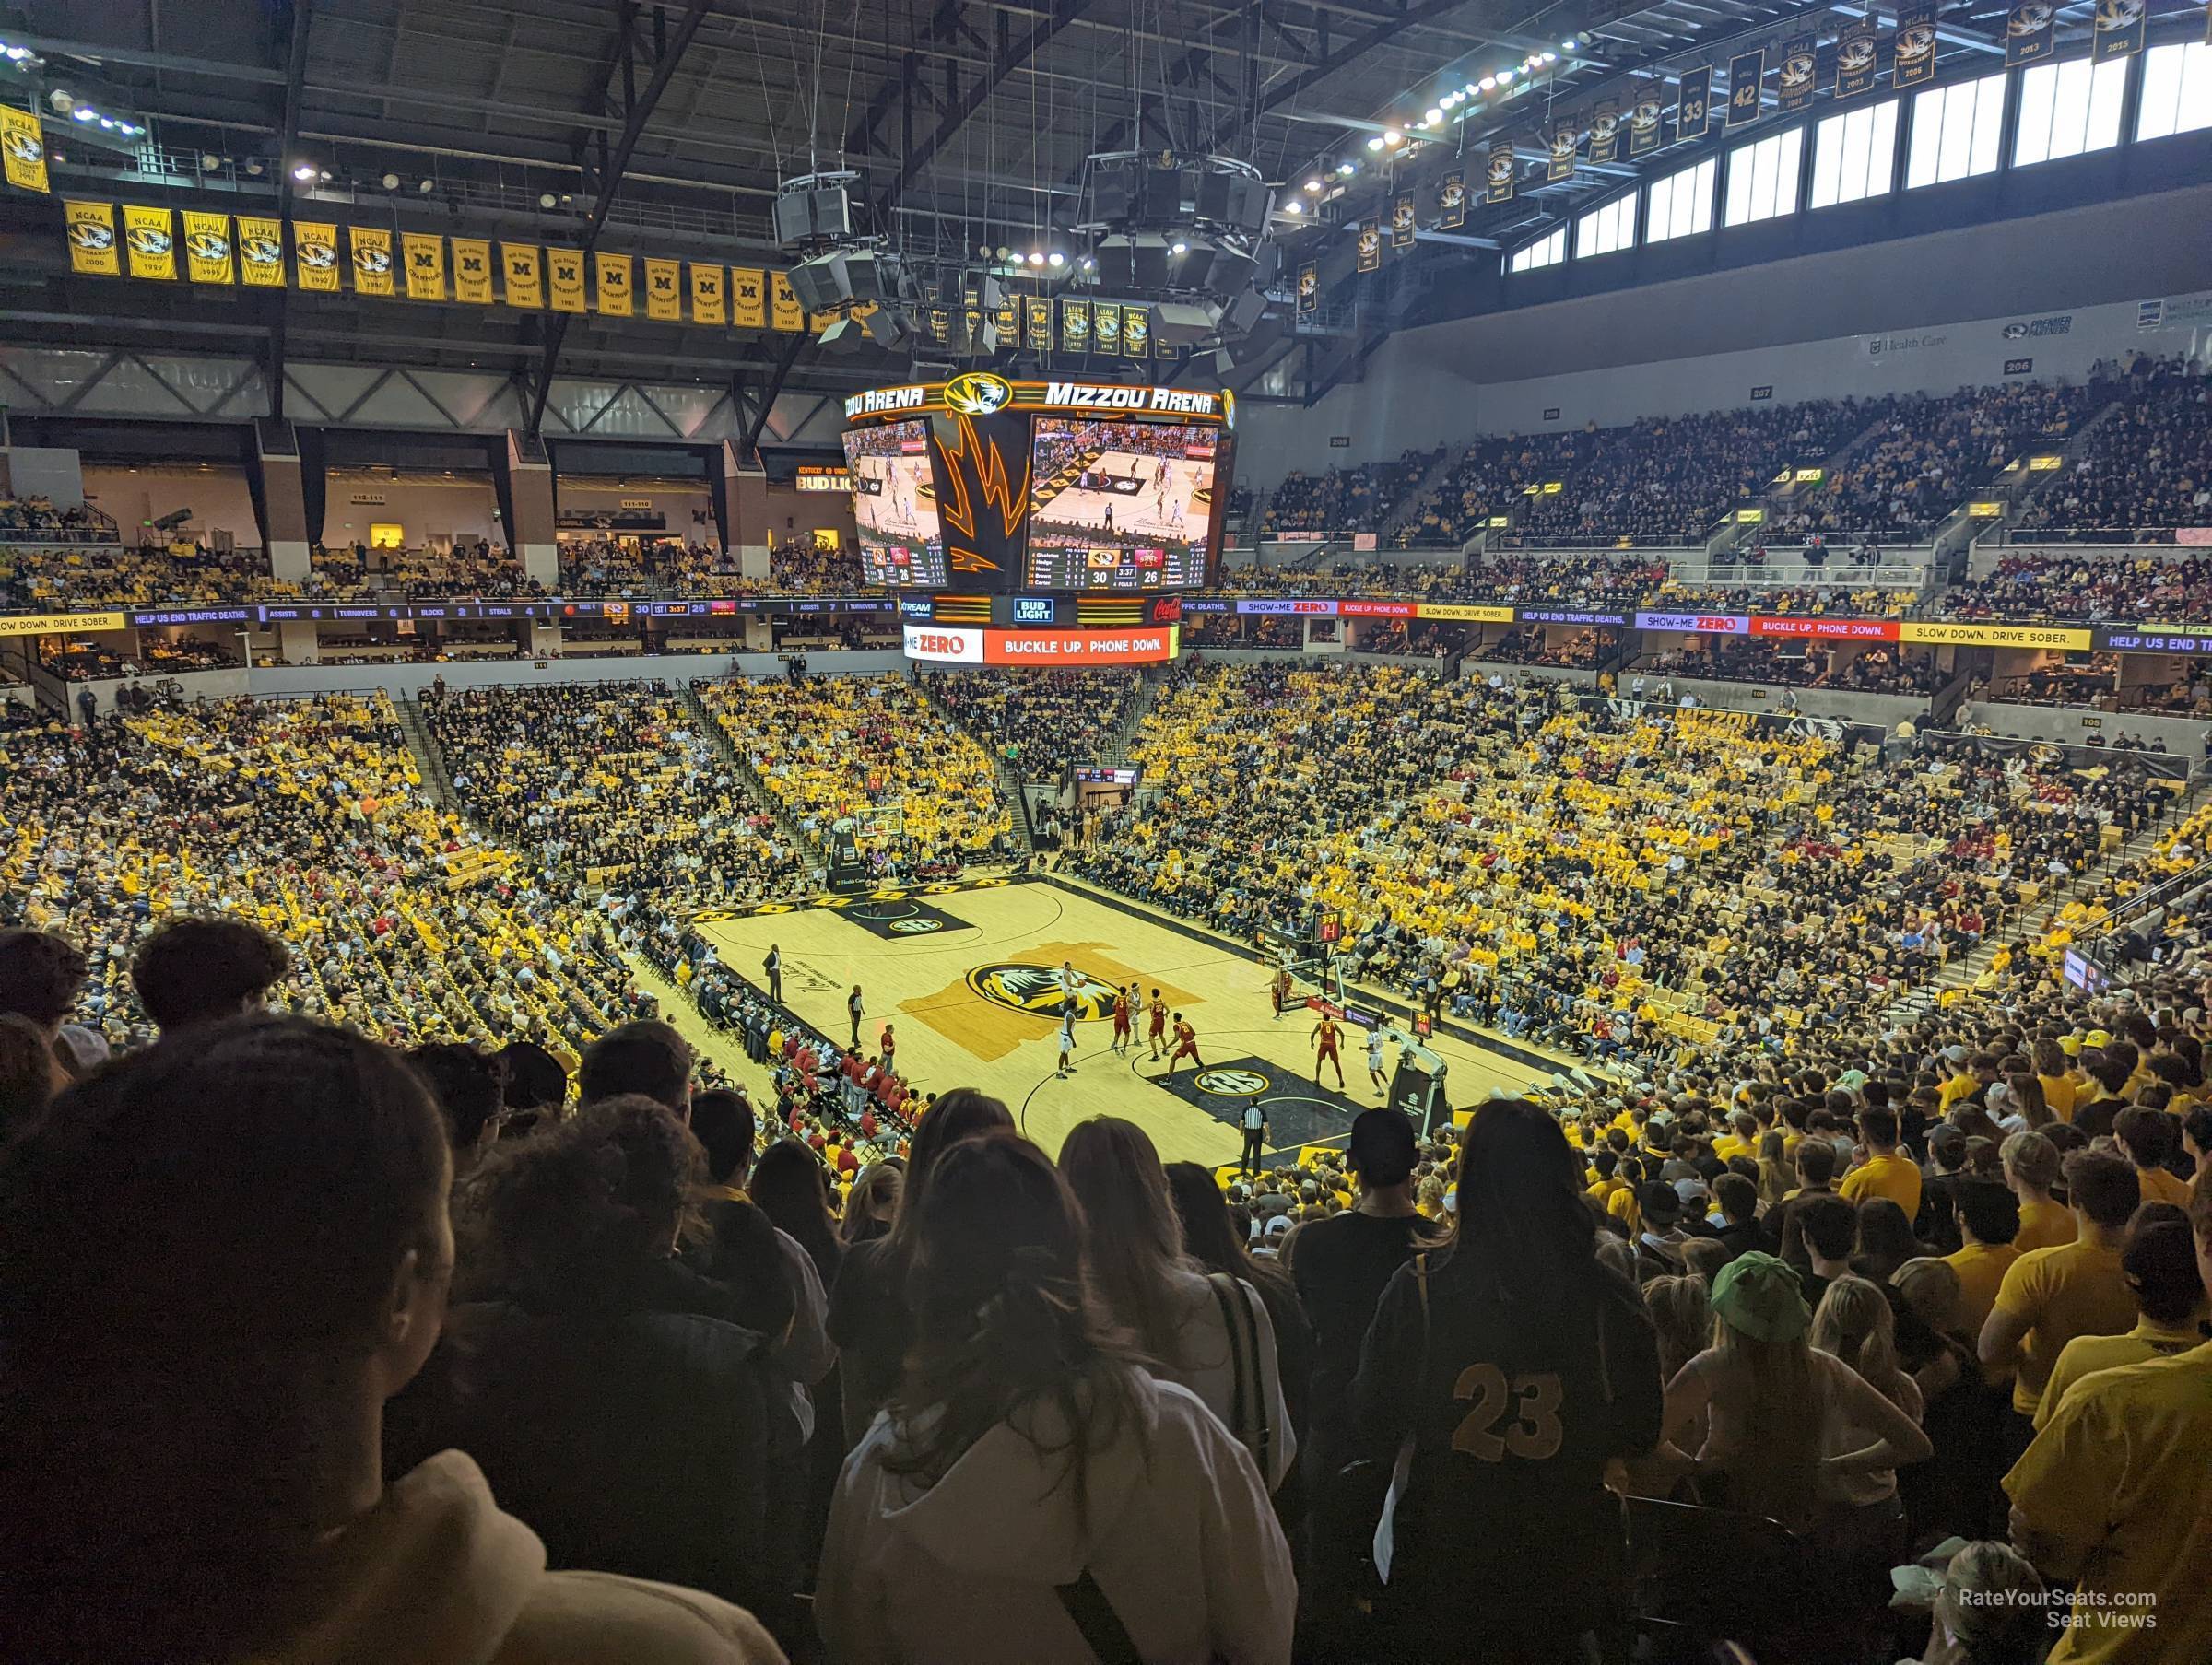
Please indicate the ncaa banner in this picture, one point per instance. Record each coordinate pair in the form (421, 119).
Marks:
(1645, 127)
(1007, 317)
(2029, 28)
(150, 235)
(1566, 138)
(749, 298)
(616, 275)
(1039, 313)
(1106, 326)
(208, 248)
(371, 260)
(1693, 105)
(564, 279)
(1074, 326)
(1746, 75)
(783, 309)
(1401, 228)
(261, 252)
(1498, 177)
(971, 319)
(1912, 53)
(472, 271)
(1370, 244)
(23, 145)
(315, 256)
(665, 290)
(525, 281)
(1308, 288)
(1605, 130)
(1136, 333)
(1452, 202)
(1858, 59)
(710, 298)
(424, 252)
(2119, 26)
(93, 250)
(938, 322)
(1794, 87)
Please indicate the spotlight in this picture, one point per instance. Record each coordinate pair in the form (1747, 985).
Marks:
(85, 112)
(1036, 258)
(1292, 206)
(1390, 136)
(1056, 259)
(983, 251)
(1179, 246)
(1004, 253)
(1090, 265)
(1488, 82)
(254, 167)
(1375, 143)
(390, 181)
(1433, 116)
(545, 199)
(1551, 57)
(1567, 45)
(211, 162)
(1312, 185)
(427, 186)
(303, 172)
(1345, 169)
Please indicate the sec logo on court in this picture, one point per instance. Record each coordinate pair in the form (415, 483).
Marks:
(916, 926)
(1035, 989)
(1233, 1083)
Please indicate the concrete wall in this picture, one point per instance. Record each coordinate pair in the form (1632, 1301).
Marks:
(403, 681)
(218, 497)
(2184, 737)
(464, 508)
(793, 513)
(587, 495)
(1886, 709)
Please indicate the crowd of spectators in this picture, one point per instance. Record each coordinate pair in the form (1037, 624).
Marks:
(2146, 469)
(2092, 588)
(1342, 500)
(36, 519)
(1875, 670)
(1488, 481)
(1037, 722)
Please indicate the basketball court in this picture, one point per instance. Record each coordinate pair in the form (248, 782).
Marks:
(973, 1001)
(1166, 506)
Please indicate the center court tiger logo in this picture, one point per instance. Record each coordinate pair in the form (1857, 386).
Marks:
(977, 394)
(1233, 1083)
(1035, 989)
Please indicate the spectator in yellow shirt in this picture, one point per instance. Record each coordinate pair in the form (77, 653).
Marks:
(1989, 1219)
(2148, 1138)
(2031, 1164)
(2059, 1081)
(2159, 1262)
(1886, 1172)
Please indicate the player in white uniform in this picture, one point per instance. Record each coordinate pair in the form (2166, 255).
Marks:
(1067, 1042)
(1374, 1061)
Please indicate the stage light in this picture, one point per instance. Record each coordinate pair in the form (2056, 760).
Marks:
(1375, 143)
(1488, 82)
(1036, 257)
(1345, 169)
(303, 172)
(427, 186)
(1004, 253)
(1056, 259)
(1568, 44)
(1312, 184)
(1434, 116)
(1551, 57)
(1178, 247)
(1090, 265)
(85, 112)
(1292, 206)
(1390, 136)
(545, 199)
(390, 181)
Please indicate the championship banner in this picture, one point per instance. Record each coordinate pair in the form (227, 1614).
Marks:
(24, 146)
(525, 280)
(1693, 106)
(1645, 127)
(937, 321)
(2118, 26)
(150, 236)
(1912, 53)
(1566, 138)
(665, 290)
(472, 271)
(1106, 326)
(2029, 28)
(91, 239)
(261, 252)
(1794, 87)
(208, 248)
(1308, 288)
(617, 275)
(1605, 130)
(1008, 318)
(1858, 59)
(1370, 244)
(710, 295)
(783, 309)
(1452, 202)
(424, 252)
(1136, 333)
(315, 256)
(1040, 312)
(971, 316)
(1746, 75)
(1498, 176)
(1074, 326)
(371, 260)
(564, 279)
(749, 298)
(1402, 226)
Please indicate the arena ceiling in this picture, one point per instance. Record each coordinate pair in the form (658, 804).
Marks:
(667, 126)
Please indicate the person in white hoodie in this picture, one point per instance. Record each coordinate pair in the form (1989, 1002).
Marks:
(223, 1256)
(1031, 1494)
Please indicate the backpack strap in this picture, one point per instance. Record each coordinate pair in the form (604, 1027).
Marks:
(1093, 1615)
(1248, 1415)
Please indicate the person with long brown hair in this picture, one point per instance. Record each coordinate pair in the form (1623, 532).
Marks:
(1032, 1493)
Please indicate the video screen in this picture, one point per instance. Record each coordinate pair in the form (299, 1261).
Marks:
(895, 506)
(1117, 505)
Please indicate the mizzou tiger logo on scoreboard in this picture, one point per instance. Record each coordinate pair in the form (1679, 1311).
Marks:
(977, 394)
(1035, 989)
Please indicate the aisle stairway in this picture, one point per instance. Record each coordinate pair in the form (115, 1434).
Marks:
(429, 761)
(718, 737)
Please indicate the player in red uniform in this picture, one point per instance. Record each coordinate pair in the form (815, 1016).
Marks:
(1279, 990)
(1159, 1023)
(1120, 1019)
(1324, 1040)
(1186, 1045)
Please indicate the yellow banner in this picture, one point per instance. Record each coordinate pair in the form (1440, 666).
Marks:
(50, 624)
(1481, 616)
(710, 294)
(261, 252)
(150, 235)
(564, 278)
(92, 238)
(24, 147)
(616, 276)
(1994, 636)
(472, 271)
(784, 311)
(526, 283)
(207, 247)
(425, 251)
(371, 260)
(665, 290)
(315, 256)
(749, 298)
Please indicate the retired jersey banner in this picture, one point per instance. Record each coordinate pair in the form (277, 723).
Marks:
(92, 238)
(1913, 51)
(23, 144)
(617, 275)
(665, 290)
(1136, 333)
(564, 279)
(371, 260)
(2119, 26)
(1693, 102)
(1499, 172)
(261, 252)
(1040, 311)
(1308, 288)
(1565, 139)
(524, 278)
(1858, 59)
(1605, 130)
(1074, 326)
(1746, 75)
(749, 298)
(1106, 326)
(710, 294)
(472, 271)
(2029, 28)
(1370, 244)
(150, 235)
(783, 309)
(315, 256)
(1452, 202)
(424, 252)
(1647, 125)
(1799, 77)
(208, 248)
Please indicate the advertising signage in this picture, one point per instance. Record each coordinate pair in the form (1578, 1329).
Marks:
(954, 644)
